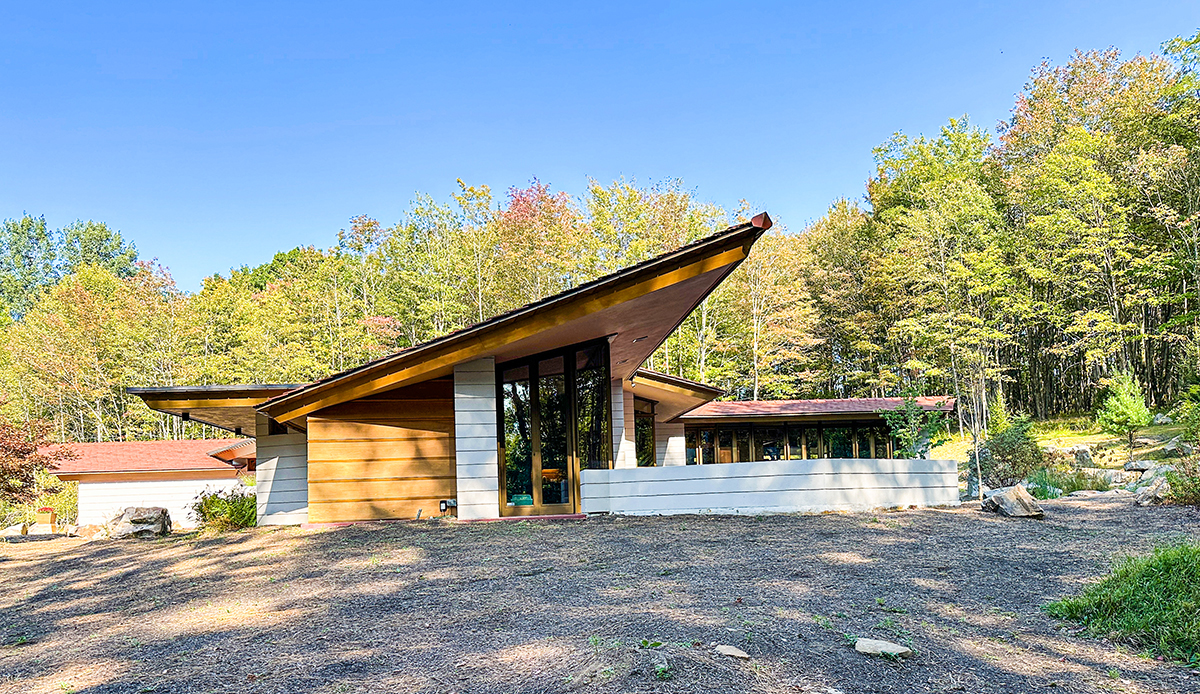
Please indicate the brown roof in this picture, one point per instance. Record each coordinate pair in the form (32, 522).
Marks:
(808, 408)
(144, 456)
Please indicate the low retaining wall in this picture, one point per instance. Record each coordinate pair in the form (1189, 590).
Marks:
(777, 486)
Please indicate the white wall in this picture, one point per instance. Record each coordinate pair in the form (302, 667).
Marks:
(782, 486)
(475, 440)
(669, 444)
(622, 427)
(100, 502)
(281, 475)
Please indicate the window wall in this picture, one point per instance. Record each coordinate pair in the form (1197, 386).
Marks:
(740, 443)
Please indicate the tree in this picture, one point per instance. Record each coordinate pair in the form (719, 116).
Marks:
(1124, 411)
(916, 429)
(25, 451)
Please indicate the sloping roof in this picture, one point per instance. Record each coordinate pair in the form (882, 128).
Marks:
(468, 342)
(145, 456)
(808, 408)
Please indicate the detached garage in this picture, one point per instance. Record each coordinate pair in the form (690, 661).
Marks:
(170, 474)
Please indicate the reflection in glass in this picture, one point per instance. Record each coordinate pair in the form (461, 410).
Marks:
(724, 446)
(690, 438)
(769, 444)
(812, 441)
(795, 443)
(553, 413)
(518, 442)
(741, 445)
(591, 408)
(863, 436)
(707, 447)
(839, 442)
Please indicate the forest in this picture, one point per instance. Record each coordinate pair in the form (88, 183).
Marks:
(1031, 265)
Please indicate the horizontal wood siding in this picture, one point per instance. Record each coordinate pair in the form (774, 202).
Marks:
(476, 448)
(281, 478)
(385, 456)
(100, 502)
(783, 486)
(669, 444)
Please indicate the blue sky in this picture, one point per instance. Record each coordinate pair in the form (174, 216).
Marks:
(213, 135)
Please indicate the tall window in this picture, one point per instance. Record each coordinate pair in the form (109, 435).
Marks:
(643, 432)
(740, 443)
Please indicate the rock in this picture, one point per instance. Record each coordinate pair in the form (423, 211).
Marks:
(1083, 492)
(1014, 502)
(733, 652)
(1154, 493)
(973, 487)
(140, 521)
(91, 532)
(1177, 446)
(1082, 453)
(1108, 475)
(69, 530)
(15, 530)
(1161, 419)
(1157, 471)
(876, 647)
(1139, 465)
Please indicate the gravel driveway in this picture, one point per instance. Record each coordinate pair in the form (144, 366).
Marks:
(564, 606)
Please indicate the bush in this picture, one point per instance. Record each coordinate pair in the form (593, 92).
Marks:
(1187, 415)
(225, 510)
(1185, 482)
(1151, 602)
(1043, 482)
(1010, 455)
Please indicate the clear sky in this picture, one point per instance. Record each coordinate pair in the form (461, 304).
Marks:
(213, 135)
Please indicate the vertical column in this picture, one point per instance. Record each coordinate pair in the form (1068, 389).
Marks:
(670, 444)
(280, 476)
(477, 457)
(622, 409)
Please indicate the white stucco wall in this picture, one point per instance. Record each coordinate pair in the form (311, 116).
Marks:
(779, 486)
(669, 444)
(281, 478)
(622, 427)
(477, 463)
(100, 502)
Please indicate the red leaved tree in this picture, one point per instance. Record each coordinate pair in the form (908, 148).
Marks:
(25, 451)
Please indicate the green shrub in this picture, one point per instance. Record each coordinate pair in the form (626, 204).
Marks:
(1010, 455)
(1185, 482)
(1151, 602)
(1124, 411)
(1187, 415)
(1044, 482)
(225, 510)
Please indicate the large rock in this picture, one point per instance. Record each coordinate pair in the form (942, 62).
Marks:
(1178, 447)
(1156, 471)
(15, 530)
(1015, 502)
(140, 521)
(877, 647)
(1109, 475)
(1154, 493)
(1139, 465)
(1161, 419)
(733, 652)
(1082, 453)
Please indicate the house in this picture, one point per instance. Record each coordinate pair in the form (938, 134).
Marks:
(541, 411)
(171, 474)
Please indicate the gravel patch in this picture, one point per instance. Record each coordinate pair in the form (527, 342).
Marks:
(579, 606)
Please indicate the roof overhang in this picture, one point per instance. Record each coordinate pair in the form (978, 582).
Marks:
(635, 309)
(673, 396)
(232, 408)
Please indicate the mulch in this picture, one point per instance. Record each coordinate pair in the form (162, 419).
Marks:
(580, 606)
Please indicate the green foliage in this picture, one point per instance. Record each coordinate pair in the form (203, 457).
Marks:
(1124, 411)
(1009, 456)
(1151, 602)
(1187, 413)
(226, 510)
(916, 429)
(1044, 481)
(1185, 482)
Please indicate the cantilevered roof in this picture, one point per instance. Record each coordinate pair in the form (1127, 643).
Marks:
(753, 409)
(672, 395)
(635, 308)
(222, 406)
(147, 456)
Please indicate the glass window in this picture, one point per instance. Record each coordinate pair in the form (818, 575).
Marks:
(593, 441)
(795, 443)
(862, 435)
(724, 446)
(643, 432)
(769, 443)
(813, 440)
(882, 440)
(518, 440)
(553, 414)
(839, 442)
(741, 445)
(708, 439)
(690, 438)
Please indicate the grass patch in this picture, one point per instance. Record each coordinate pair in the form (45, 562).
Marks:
(1151, 602)
(226, 510)
(1044, 482)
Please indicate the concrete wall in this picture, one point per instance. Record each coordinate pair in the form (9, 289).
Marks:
(476, 449)
(100, 502)
(281, 478)
(783, 486)
(669, 444)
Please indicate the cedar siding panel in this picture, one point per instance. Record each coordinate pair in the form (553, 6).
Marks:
(384, 456)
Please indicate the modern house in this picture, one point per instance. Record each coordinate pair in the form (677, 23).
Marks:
(546, 411)
(170, 474)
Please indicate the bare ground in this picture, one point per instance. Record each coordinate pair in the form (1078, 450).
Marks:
(563, 606)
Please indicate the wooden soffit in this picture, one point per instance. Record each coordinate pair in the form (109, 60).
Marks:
(673, 396)
(231, 408)
(635, 308)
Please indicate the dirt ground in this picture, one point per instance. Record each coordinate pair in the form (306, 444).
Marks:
(564, 606)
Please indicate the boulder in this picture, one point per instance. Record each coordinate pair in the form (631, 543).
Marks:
(15, 530)
(1109, 475)
(1178, 447)
(140, 521)
(1139, 465)
(1083, 492)
(1082, 453)
(733, 652)
(1156, 471)
(1161, 419)
(1154, 493)
(877, 647)
(1015, 502)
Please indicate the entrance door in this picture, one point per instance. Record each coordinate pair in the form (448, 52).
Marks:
(553, 420)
